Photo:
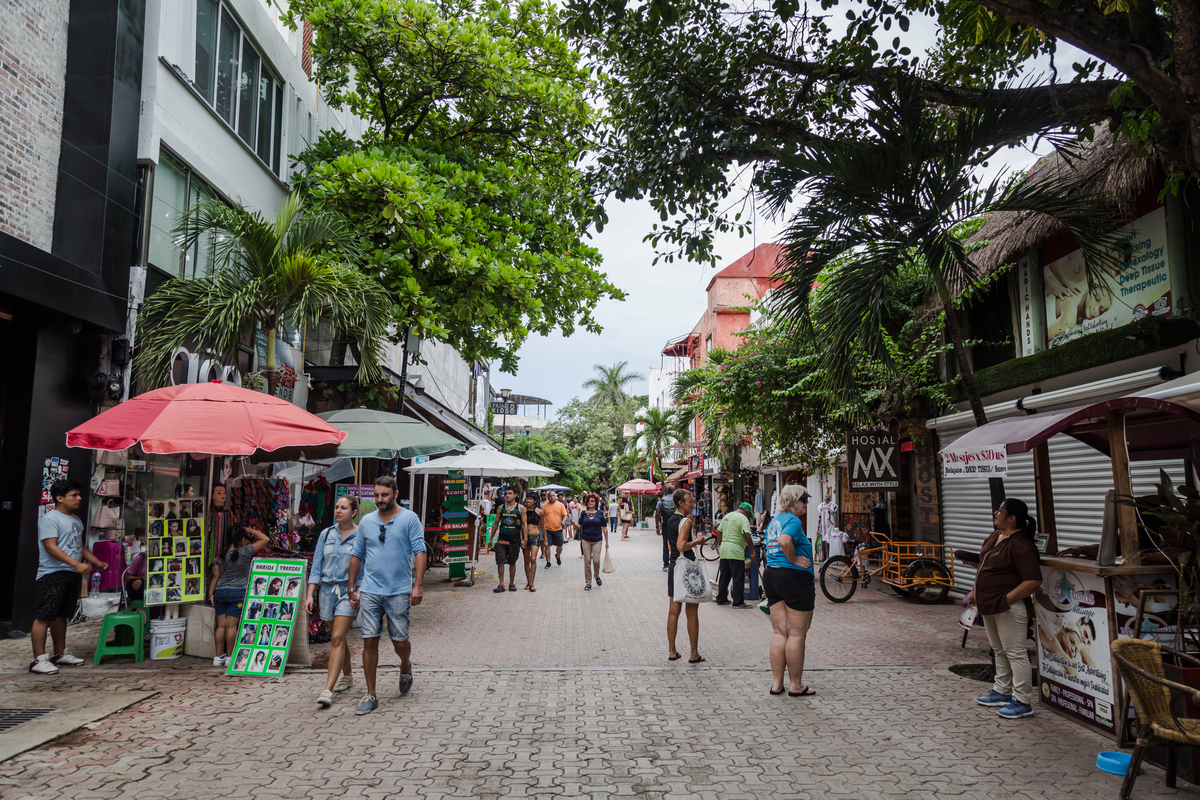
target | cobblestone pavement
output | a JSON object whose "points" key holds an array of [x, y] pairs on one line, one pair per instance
{"points": [[568, 693]]}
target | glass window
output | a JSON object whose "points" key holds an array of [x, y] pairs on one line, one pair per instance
{"points": [[169, 205], [266, 94], [198, 261], [206, 46], [278, 131], [248, 93], [227, 68]]}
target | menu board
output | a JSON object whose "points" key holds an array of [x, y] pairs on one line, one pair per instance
{"points": [[269, 615], [174, 551]]}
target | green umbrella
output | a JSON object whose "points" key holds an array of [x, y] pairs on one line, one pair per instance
{"points": [[378, 434]]}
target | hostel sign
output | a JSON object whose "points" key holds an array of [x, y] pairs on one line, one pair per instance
{"points": [[871, 458]]}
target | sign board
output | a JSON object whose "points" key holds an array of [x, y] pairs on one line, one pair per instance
{"points": [[175, 551], [1032, 304], [1139, 286], [273, 616], [501, 407], [456, 537], [1075, 675], [365, 492], [455, 505], [871, 456], [974, 462]]}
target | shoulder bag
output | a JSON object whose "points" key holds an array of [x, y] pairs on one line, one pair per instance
{"points": [[691, 582], [107, 515]]}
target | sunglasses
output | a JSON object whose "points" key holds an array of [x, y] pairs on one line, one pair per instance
{"points": [[382, 533]]}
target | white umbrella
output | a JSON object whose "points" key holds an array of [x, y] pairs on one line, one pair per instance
{"points": [[483, 459]]}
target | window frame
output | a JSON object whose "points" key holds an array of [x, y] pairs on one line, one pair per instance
{"points": [[210, 94], [191, 182]]}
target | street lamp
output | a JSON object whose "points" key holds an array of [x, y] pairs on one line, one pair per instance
{"points": [[504, 394], [528, 430]]}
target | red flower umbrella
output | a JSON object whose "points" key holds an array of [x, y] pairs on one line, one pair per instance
{"points": [[211, 418]]}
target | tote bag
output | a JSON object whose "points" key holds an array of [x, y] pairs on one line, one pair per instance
{"points": [[691, 582], [608, 565]]}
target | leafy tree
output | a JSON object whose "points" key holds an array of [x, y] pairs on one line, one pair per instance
{"points": [[609, 384], [705, 100], [660, 430], [465, 185], [292, 270], [594, 434], [549, 453]]}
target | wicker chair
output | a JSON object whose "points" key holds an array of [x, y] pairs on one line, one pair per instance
{"points": [[1155, 699]]}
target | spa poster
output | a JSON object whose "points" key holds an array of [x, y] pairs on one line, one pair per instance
{"points": [[174, 551], [1074, 666], [274, 598]]}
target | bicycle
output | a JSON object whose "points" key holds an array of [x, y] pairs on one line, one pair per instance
{"points": [[912, 569]]}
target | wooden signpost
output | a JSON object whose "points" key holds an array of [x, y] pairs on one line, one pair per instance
{"points": [[455, 517]]}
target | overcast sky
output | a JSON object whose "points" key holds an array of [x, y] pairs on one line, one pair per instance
{"points": [[664, 300]]}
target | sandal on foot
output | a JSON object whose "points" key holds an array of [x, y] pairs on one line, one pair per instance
{"points": [[808, 692], [675, 657], [696, 660], [775, 693]]}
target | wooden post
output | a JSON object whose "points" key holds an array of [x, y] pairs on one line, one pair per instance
{"points": [[1045, 497], [1126, 515]]}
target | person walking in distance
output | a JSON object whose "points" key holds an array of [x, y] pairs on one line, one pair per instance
{"points": [[554, 513], [613, 510], [662, 513], [625, 509], [330, 581], [791, 591], [63, 559], [389, 555], [510, 521], [533, 536], [593, 532], [678, 530], [734, 535]]}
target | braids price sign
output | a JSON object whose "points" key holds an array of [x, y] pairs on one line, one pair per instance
{"points": [[271, 616]]}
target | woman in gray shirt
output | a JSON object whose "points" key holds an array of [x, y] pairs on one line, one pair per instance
{"points": [[231, 573]]}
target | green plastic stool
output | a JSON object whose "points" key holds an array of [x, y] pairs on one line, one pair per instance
{"points": [[129, 641]]}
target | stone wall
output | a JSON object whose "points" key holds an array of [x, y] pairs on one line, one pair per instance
{"points": [[33, 68]]}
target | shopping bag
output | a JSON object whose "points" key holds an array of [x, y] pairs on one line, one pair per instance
{"points": [[763, 607], [691, 582], [608, 565]]}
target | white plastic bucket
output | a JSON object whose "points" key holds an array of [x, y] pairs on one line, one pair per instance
{"points": [[166, 638]]}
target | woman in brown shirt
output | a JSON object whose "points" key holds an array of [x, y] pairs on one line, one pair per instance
{"points": [[1009, 573]]}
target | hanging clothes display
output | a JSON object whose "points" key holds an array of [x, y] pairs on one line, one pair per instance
{"points": [[314, 501], [264, 504], [826, 518]]}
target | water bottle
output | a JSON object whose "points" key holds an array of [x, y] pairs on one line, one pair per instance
{"points": [[95, 581]]}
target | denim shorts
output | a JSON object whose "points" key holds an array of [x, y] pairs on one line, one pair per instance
{"points": [[554, 538], [333, 605], [228, 602], [374, 607]]}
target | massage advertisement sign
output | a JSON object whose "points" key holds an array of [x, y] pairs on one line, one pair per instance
{"points": [[1074, 665], [1136, 286], [974, 462], [269, 616], [174, 551]]}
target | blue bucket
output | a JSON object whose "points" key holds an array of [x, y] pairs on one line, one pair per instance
{"points": [[1114, 763]]}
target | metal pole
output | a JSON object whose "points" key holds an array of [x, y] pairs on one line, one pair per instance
{"points": [[504, 430], [404, 368]]}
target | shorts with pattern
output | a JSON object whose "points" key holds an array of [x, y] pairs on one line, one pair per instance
{"points": [[58, 595], [374, 607], [554, 538], [507, 552], [535, 541]]}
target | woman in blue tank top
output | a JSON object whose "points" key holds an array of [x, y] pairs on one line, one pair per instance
{"points": [[791, 592]]}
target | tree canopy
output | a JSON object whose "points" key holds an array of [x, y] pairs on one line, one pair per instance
{"points": [[466, 185], [609, 384], [704, 99]]}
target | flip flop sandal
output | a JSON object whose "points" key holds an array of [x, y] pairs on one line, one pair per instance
{"points": [[675, 657], [775, 693], [696, 661], [808, 692]]}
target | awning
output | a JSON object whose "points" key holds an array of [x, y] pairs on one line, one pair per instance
{"points": [[1154, 429], [677, 475], [432, 411]]}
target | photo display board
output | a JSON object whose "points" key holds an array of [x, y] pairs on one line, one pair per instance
{"points": [[273, 607], [175, 551]]}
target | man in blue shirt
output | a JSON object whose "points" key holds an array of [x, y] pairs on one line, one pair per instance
{"points": [[388, 566]]}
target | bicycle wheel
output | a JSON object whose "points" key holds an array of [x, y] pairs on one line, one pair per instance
{"points": [[839, 579], [928, 581], [710, 550]]}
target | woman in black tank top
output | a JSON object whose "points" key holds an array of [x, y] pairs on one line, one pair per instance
{"points": [[678, 527]]}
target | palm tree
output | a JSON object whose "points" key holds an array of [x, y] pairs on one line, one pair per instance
{"points": [[893, 198], [610, 382], [627, 465], [286, 271], [661, 430]]}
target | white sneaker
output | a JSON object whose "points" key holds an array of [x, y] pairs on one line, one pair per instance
{"points": [[220, 661], [325, 700], [42, 666], [344, 682], [65, 659]]}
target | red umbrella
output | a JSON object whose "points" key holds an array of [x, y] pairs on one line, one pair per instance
{"points": [[638, 486], [212, 418]]}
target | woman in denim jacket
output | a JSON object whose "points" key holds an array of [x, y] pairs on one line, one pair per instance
{"points": [[331, 573]]}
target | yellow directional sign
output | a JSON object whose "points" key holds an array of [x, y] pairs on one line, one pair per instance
{"points": [[456, 537]]}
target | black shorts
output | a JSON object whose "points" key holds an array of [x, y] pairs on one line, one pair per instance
{"points": [[57, 595], [506, 552], [554, 538], [795, 587]]}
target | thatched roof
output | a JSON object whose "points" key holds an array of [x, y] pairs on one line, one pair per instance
{"points": [[1110, 168]]}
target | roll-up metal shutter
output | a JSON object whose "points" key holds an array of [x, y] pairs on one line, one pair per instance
{"points": [[1080, 477]]}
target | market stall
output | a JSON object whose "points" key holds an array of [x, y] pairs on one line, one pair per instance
{"points": [[1089, 596], [180, 432]]}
